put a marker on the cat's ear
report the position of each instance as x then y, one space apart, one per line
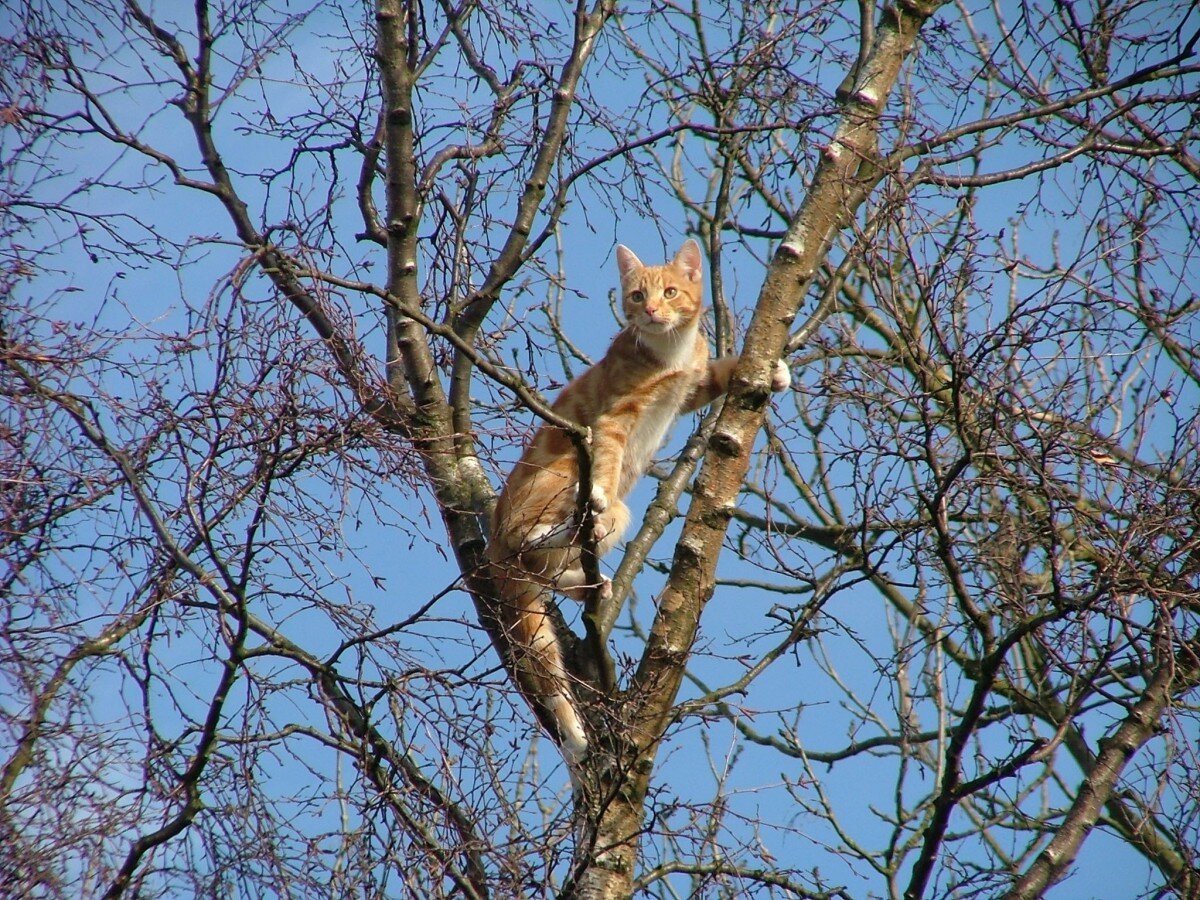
688 259
627 262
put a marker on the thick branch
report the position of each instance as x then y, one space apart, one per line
839 187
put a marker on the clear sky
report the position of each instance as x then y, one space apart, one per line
393 559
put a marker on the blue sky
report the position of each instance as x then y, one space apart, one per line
391 559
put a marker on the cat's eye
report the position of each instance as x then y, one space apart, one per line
670 292
636 297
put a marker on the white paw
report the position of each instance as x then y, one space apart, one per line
605 587
599 499
547 536
781 380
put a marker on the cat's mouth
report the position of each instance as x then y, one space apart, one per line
656 325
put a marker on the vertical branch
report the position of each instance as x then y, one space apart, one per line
588 25
410 363
844 177
599 660
189 781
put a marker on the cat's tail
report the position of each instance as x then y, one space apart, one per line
536 655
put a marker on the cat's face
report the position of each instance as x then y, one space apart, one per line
660 299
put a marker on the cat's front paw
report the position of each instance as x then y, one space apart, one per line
781 379
599 499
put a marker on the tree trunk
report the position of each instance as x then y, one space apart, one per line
606 853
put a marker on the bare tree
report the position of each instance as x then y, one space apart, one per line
285 290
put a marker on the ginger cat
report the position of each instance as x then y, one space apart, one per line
657 368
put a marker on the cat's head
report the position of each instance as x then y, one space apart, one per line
661 299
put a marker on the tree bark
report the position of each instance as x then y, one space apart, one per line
844 178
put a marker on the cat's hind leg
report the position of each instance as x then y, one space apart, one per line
610 525
611 517
550 536
573 583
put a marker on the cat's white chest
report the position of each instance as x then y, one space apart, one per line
676 354
650 431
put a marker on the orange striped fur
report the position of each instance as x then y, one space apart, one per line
657 368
